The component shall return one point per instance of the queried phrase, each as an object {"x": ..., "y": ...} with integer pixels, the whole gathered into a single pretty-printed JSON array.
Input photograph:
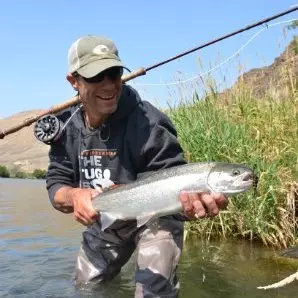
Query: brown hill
[{"x": 21, "y": 151}]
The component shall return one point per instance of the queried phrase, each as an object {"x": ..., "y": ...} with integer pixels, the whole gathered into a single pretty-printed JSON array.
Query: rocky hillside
[
  {"x": 279, "y": 80},
  {"x": 21, "y": 151}
]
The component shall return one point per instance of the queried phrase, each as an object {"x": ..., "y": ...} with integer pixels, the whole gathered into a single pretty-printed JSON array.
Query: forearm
[{"x": 63, "y": 199}]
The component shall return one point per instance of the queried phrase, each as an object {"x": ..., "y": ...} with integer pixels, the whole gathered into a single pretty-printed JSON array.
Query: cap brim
[{"x": 95, "y": 67}]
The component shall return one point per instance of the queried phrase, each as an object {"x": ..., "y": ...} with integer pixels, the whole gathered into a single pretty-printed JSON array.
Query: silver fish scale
[
  {"x": 155, "y": 195},
  {"x": 158, "y": 194}
]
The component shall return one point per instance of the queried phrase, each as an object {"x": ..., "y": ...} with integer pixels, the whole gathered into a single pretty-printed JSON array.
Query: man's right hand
[
  {"x": 83, "y": 210},
  {"x": 78, "y": 201}
]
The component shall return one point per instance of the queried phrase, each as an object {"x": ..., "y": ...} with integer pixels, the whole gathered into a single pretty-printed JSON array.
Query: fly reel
[{"x": 47, "y": 129}]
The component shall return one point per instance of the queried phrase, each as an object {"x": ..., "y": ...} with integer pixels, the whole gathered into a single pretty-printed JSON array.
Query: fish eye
[{"x": 235, "y": 172}]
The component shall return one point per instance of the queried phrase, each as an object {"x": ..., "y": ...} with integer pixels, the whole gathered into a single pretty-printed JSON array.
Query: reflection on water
[{"x": 38, "y": 247}]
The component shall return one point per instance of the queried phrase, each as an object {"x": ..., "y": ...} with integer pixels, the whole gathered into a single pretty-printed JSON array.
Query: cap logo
[{"x": 100, "y": 49}]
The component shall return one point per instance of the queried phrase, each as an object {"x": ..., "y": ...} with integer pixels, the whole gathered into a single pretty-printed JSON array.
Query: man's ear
[{"x": 73, "y": 81}]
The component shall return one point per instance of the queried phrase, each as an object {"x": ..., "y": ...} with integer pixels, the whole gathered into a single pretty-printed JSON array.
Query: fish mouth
[
  {"x": 251, "y": 178},
  {"x": 247, "y": 177}
]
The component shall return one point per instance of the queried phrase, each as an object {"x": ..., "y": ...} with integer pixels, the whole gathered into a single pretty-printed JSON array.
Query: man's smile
[{"x": 105, "y": 97}]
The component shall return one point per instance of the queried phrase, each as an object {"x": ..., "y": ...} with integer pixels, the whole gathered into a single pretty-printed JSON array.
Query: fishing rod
[{"x": 50, "y": 126}]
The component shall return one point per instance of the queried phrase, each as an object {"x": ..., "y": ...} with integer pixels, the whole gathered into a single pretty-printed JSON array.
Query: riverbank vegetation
[
  {"x": 36, "y": 174},
  {"x": 260, "y": 132}
]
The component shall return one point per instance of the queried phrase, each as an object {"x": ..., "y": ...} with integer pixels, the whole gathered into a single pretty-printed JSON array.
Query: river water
[{"x": 38, "y": 247}]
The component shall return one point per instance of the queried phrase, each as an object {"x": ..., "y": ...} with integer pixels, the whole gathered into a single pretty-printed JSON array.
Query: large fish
[{"x": 158, "y": 194}]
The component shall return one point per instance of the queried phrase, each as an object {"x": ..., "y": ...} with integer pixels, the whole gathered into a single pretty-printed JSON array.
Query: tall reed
[{"x": 262, "y": 133}]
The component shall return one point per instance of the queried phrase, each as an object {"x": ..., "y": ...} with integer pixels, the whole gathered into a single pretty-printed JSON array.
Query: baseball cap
[{"x": 90, "y": 55}]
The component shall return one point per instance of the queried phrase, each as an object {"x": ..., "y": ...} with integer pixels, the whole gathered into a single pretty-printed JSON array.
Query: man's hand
[
  {"x": 198, "y": 205},
  {"x": 82, "y": 205}
]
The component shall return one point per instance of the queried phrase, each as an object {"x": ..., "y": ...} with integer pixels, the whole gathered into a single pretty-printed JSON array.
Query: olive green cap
[{"x": 90, "y": 55}]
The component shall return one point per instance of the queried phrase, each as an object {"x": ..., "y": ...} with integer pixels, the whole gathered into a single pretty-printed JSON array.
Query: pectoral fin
[{"x": 106, "y": 220}]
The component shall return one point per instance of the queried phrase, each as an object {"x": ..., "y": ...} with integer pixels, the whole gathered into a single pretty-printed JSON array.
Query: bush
[
  {"x": 4, "y": 172},
  {"x": 20, "y": 174},
  {"x": 39, "y": 174}
]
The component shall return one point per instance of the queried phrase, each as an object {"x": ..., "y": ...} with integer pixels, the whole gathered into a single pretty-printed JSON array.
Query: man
[{"x": 114, "y": 137}]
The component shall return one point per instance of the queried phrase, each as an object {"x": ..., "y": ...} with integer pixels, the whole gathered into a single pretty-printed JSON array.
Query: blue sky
[{"x": 36, "y": 35}]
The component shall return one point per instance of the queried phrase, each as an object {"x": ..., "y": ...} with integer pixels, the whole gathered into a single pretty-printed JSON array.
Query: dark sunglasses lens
[
  {"x": 96, "y": 79},
  {"x": 112, "y": 73}
]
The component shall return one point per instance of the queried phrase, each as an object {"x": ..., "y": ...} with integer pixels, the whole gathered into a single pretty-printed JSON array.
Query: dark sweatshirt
[{"x": 136, "y": 139}]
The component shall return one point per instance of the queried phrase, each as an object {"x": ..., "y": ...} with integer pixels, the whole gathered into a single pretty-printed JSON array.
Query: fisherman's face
[{"x": 99, "y": 94}]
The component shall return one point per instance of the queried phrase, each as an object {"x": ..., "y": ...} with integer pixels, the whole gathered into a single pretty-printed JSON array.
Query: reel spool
[{"x": 47, "y": 129}]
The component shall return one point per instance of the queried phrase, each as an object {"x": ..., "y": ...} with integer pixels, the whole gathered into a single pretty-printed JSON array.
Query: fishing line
[
  {"x": 220, "y": 64},
  {"x": 71, "y": 117}
]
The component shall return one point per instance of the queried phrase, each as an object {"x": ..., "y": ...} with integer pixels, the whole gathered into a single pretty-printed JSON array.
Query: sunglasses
[{"x": 112, "y": 73}]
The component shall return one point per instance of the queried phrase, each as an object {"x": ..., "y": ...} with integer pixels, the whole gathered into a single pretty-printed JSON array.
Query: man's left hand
[{"x": 199, "y": 205}]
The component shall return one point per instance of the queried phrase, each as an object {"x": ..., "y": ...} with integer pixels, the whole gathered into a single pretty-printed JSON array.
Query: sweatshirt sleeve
[
  {"x": 160, "y": 148},
  {"x": 60, "y": 170}
]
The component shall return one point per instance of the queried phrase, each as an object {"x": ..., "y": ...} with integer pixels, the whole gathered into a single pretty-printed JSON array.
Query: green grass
[{"x": 260, "y": 133}]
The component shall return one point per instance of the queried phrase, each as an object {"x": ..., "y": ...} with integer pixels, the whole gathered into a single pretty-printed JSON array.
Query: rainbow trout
[{"x": 158, "y": 194}]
